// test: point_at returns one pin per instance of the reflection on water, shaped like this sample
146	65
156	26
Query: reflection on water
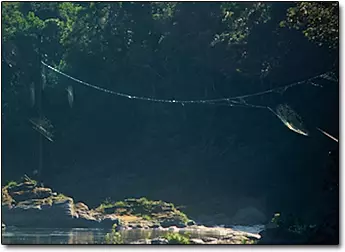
52	236
12	235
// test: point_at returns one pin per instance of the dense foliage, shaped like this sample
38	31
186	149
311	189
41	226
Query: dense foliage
177	238
319	21
130	36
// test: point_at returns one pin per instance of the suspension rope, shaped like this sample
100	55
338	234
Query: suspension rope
232	101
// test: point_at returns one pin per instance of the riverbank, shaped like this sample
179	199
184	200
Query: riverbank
29	205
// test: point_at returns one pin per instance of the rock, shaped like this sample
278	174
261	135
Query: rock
209	239
41	209
181	225
163	207
173	229
142	241
131	200
168	222
26	190
27	205
26	186
155	226
36	193
191	223
196	241
159	241
81	206
110	210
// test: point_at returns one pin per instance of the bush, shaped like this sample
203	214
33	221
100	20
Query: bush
146	217
114	237
176	238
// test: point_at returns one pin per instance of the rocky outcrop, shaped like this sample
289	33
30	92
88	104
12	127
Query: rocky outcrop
144	213
29	205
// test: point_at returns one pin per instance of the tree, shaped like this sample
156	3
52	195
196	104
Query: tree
319	22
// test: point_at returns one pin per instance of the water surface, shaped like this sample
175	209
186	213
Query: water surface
12	235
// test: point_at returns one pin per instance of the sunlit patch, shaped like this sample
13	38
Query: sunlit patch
290	119
296	130
328	135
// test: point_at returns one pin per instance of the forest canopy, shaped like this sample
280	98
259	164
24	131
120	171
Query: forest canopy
154	38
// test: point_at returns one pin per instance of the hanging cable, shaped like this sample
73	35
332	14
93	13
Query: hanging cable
207	101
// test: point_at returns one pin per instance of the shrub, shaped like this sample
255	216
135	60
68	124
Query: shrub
12	183
176	238
114	237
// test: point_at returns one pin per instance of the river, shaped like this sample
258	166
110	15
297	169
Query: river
13	235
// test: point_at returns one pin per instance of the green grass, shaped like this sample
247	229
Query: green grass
102	206
107	203
11	183
248	241
184	217
141	207
176	238
120	204
146	217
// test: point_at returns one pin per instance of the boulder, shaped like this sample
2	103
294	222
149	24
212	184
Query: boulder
142	242
172	222
35	193
81	206
190	223
196	241
159	241
209	239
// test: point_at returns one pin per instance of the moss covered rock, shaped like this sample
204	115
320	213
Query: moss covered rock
145	212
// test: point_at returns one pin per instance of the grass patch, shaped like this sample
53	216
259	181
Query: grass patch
108	203
12	183
120	204
146	217
61	196
149	210
184	217
176	238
